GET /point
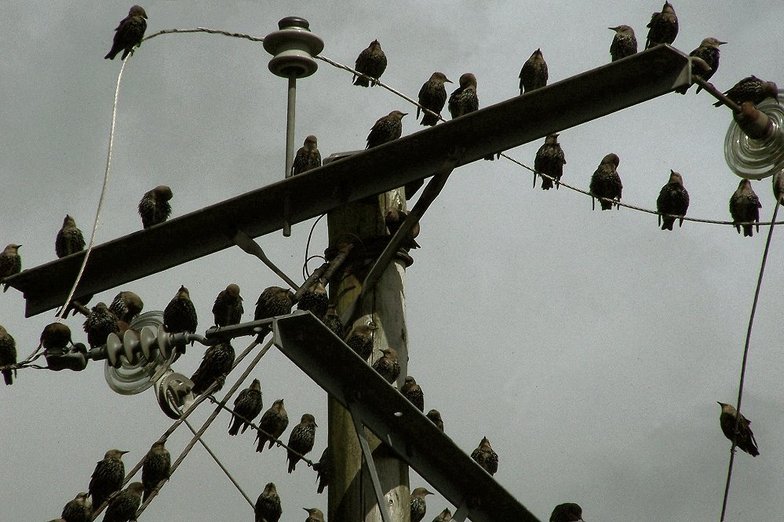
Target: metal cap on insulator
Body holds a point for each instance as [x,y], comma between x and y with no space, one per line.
[293,48]
[754,144]
[173,391]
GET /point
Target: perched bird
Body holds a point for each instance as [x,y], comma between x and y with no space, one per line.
[248,404]
[129,33]
[324,469]
[99,324]
[180,314]
[307,157]
[371,62]
[7,354]
[387,365]
[272,425]
[533,75]
[606,183]
[55,338]
[778,187]
[663,28]
[156,467]
[751,89]
[126,306]
[333,322]
[624,42]
[216,364]
[267,508]
[386,128]
[69,239]
[154,208]
[272,301]
[301,439]
[708,52]
[107,477]
[418,504]
[550,160]
[464,99]
[435,418]
[80,509]
[673,199]
[393,219]
[485,456]
[745,440]
[432,96]
[744,206]
[10,261]
[413,393]
[360,339]
[123,507]
[228,309]
[314,515]
[314,300]
[569,511]
[444,516]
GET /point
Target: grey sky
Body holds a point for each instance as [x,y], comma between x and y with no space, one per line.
[589,347]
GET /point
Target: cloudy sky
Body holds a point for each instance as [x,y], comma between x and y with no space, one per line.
[590,347]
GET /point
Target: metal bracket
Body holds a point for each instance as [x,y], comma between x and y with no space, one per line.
[461,513]
[242,240]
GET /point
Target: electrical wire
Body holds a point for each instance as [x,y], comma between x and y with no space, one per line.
[305,273]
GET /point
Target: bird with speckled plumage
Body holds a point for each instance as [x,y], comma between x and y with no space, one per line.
[745,438]
[227,309]
[7,354]
[567,512]
[533,74]
[69,238]
[301,440]
[371,62]
[708,52]
[314,515]
[156,467]
[744,207]
[663,27]
[387,128]
[432,96]
[413,392]
[307,157]
[272,425]
[606,182]
[751,89]
[485,456]
[418,504]
[126,306]
[180,314]
[624,42]
[268,507]
[123,507]
[129,33]
[107,477]
[550,160]
[80,509]
[247,406]
[99,324]
[673,200]
[387,365]
[215,365]
[435,418]
[10,261]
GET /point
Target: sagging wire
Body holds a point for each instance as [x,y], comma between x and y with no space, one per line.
[305,273]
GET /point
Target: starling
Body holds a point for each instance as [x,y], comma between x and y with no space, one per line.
[154,208]
[333,322]
[301,439]
[80,509]
[386,128]
[673,199]
[663,28]
[7,354]
[444,516]
[550,160]
[216,364]
[55,338]
[156,467]
[432,96]
[314,300]
[107,477]
[745,440]
[387,365]
[778,187]
[272,425]
[248,405]
[99,324]
[751,89]
[624,43]
[435,417]
[485,456]
[129,33]
[744,206]
[371,62]
[307,157]
[360,339]
[227,309]
[464,99]
[180,314]
[569,512]
[69,239]
[267,508]
[606,183]
[10,262]
[393,219]
[413,393]
[314,515]
[708,51]
[123,507]
[324,469]
[418,504]
[533,75]
[126,306]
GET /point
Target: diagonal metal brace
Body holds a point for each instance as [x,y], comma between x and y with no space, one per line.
[242,240]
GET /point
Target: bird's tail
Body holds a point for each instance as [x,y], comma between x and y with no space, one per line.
[429,119]
[111,54]
[606,205]
[234,425]
[748,230]
[362,81]
[8,376]
[547,183]
[292,463]
[667,223]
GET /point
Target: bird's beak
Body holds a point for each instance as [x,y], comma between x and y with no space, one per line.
[612,28]
[123,452]
[405,113]
[722,43]
[448,80]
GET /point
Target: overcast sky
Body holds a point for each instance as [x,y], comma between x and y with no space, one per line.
[589,347]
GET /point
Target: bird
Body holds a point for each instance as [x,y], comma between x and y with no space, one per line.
[314,300]
[533,75]
[708,52]
[464,99]
[606,183]
[55,338]
[751,89]
[7,354]
[744,206]
[778,187]
[314,515]
[418,504]
[99,324]
[360,339]
[485,456]
[663,27]
[371,62]
[393,218]
[673,199]
[745,440]
[550,160]
[156,467]
[333,322]
[324,469]
[107,477]
[267,508]
[624,42]
[80,509]
[435,418]
[227,309]
[272,301]
[301,439]
[413,392]
[126,306]
[387,128]
[432,96]
[180,314]
[272,425]
[69,239]
[10,261]
[215,365]
[307,157]
[387,365]
[567,512]
[123,507]
[154,207]
[129,33]
[248,404]
[444,516]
